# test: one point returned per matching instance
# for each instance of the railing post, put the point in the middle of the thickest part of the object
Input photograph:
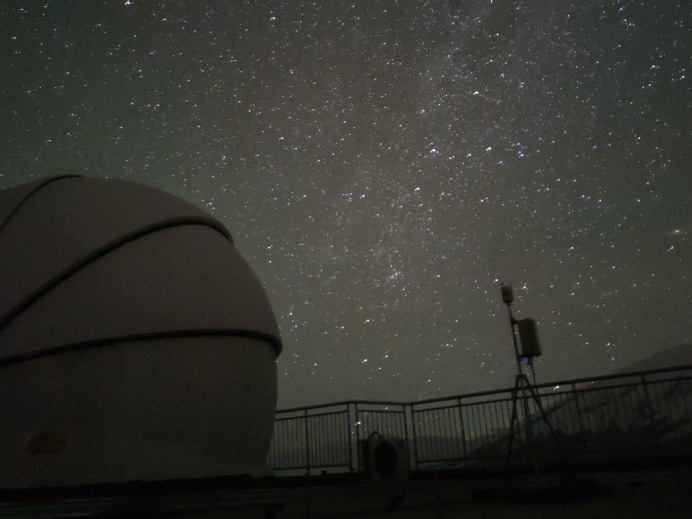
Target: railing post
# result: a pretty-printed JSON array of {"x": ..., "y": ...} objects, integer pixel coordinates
[
  {"x": 350, "y": 424},
  {"x": 414, "y": 436},
  {"x": 648, "y": 397},
  {"x": 357, "y": 426},
  {"x": 575, "y": 395},
  {"x": 408, "y": 414},
  {"x": 307, "y": 441},
  {"x": 462, "y": 426}
]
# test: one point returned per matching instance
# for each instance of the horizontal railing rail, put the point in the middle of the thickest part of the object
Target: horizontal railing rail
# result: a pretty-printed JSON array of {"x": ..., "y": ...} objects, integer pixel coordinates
[{"x": 626, "y": 414}]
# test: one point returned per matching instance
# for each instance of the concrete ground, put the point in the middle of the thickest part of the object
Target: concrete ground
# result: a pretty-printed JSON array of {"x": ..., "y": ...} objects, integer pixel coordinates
[{"x": 609, "y": 495}]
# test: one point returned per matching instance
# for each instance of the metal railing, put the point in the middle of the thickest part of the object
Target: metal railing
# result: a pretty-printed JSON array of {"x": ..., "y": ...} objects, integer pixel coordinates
[{"x": 647, "y": 413}]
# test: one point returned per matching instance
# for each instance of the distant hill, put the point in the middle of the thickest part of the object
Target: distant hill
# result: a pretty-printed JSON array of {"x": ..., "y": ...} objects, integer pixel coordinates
[{"x": 680, "y": 355}]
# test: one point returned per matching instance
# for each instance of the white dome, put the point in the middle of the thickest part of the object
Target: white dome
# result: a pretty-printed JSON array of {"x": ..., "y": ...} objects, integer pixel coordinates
[{"x": 131, "y": 330}]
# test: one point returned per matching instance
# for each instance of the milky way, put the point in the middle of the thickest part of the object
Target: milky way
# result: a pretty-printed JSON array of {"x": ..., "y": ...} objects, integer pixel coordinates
[{"x": 383, "y": 166}]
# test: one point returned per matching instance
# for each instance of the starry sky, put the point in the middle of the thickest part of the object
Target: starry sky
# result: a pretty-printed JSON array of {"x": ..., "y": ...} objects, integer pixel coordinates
[{"x": 384, "y": 165}]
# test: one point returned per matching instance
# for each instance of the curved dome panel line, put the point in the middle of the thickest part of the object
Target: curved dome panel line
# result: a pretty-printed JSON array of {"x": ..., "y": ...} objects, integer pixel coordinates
[
  {"x": 96, "y": 254},
  {"x": 111, "y": 341},
  {"x": 30, "y": 189},
  {"x": 135, "y": 340},
  {"x": 56, "y": 222}
]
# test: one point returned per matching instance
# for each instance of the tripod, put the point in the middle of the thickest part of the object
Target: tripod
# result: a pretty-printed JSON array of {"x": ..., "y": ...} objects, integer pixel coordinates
[{"x": 522, "y": 384}]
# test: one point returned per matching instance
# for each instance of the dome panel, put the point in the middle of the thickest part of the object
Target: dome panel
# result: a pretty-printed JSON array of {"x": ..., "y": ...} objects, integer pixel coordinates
[
  {"x": 136, "y": 342},
  {"x": 13, "y": 198},
  {"x": 150, "y": 410},
  {"x": 187, "y": 278},
  {"x": 69, "y": 218}
]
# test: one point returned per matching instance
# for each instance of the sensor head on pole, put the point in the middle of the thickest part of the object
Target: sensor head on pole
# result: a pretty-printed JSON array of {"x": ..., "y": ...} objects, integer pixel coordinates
[{"x": 507, "y": 294}]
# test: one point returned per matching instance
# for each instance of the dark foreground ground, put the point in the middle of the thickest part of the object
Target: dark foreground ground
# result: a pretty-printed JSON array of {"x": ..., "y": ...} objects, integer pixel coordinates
[
  {"x": 610, "y": 498},
  {"x": 624, "y": 494}
]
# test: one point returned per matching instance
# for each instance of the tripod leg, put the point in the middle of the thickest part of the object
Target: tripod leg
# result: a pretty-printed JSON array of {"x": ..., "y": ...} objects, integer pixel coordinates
[
  {"x": 551, "y": 430},
  {"x": 511, "y": 430}
]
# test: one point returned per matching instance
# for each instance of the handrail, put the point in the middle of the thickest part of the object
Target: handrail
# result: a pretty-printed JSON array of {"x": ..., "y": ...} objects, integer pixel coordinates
[
  {"x": 455, "y": 430},
  {"x": 492, "y": 391}
]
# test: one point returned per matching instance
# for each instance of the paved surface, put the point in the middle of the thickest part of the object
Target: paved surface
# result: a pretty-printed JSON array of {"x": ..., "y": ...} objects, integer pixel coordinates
[
  {"x": 648, "y": 495},
  {"x": 643, "y": 494}
]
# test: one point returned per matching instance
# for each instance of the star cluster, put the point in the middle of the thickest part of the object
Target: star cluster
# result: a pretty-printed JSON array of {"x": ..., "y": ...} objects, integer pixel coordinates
[{"x": 383, "y": 166}]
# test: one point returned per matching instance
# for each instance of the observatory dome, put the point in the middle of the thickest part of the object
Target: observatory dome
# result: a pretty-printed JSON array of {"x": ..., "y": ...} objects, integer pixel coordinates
[{"x": 135, "y": 341}]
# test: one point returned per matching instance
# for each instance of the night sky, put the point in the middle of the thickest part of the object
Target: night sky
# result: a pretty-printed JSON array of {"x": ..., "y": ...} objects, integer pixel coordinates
[{"x": 383, "y": 166}]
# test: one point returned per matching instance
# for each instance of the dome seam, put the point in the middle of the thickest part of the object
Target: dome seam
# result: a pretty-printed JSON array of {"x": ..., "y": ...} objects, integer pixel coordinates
[
  {"x": 99, "y": 253},
  {"x": 26, "y": 198},
  {"x": 272, "y": 340}
]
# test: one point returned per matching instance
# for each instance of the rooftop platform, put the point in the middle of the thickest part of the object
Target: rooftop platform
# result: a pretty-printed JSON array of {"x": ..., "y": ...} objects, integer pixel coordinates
[{"x": 663, "y": 492}]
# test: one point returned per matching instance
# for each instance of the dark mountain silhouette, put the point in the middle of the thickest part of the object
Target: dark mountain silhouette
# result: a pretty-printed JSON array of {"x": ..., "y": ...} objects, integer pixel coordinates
[{"x": 680, "y": 355}]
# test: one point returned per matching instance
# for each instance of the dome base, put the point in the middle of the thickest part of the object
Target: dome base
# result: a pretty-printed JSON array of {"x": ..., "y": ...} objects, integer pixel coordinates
[{"x": 152, "y": 410}]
